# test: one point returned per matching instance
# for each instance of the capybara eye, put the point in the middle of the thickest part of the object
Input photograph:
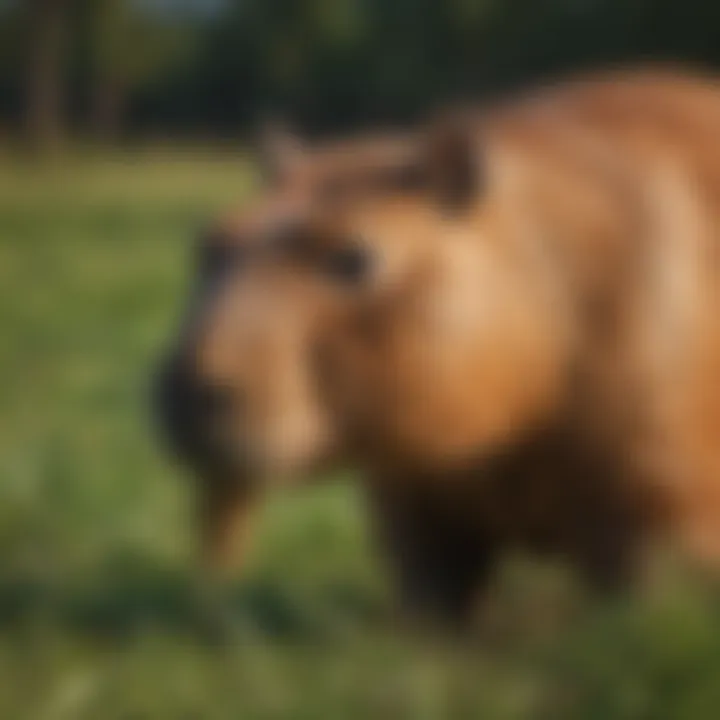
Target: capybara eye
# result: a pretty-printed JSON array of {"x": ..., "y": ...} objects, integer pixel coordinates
[
  {"x": 409, "y": 177},
  {"x": 350, "y": 264}
]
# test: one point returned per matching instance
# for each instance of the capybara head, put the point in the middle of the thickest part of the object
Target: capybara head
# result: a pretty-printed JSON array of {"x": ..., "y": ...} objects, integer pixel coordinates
[
  {"x": 233, "y": 395},
  {"x": 378, "y": 295},
  {"x": 233, "y": 398}
]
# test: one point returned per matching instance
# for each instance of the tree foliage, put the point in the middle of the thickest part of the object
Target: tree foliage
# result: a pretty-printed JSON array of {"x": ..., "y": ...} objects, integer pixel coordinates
[{"x": 216, "y": 65}]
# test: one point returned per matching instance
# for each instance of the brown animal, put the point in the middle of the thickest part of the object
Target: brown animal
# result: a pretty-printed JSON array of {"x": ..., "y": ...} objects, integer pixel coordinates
[{"x": 509, "y": 323}]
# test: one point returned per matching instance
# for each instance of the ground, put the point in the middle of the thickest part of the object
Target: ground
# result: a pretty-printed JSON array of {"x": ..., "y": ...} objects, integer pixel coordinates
[{"x": 99, "y": 614}]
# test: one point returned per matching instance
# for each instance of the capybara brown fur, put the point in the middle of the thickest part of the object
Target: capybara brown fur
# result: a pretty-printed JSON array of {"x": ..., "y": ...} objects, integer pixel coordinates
[{"x": 508, "y": 321}]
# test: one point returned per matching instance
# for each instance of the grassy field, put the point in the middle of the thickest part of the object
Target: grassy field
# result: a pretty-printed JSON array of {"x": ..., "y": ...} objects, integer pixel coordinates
[{"x": 99, "y": 614}]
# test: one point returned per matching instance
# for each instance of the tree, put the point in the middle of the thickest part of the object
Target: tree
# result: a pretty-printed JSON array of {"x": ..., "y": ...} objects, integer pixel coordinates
[
  {"x": 129, "y": 44},
  {"x": 45, "y": 82}
]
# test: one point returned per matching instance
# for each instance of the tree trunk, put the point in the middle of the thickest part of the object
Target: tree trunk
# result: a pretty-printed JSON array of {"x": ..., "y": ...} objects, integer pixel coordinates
[
  {"x": 109, "y": 53},
  {"x": 45, "y": 81},
  {"x": 106, "y": 112}
]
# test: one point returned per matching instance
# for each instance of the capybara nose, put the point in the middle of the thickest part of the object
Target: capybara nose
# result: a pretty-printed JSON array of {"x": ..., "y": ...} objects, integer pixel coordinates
[
  {"x": 212, "y": 399},
  {"x": 188, "y": 409}
]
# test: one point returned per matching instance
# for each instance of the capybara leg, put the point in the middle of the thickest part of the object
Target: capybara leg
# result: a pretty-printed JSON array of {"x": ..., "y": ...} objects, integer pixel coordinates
[
  {"x": 610, "y": 560},
  {"x": 224, "y": 510},
  {"x": 440, "y": 570},
  {"x": 447, "y": 580}
]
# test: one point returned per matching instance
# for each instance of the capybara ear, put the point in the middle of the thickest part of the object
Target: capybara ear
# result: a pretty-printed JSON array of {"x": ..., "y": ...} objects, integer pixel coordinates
[
  {"x": 452, "y": 159},
  {"x": 280, "y": 151}
]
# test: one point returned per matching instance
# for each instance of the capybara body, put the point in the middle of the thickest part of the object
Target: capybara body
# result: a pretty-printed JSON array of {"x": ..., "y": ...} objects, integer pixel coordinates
[{"x": 508, "y": 322}]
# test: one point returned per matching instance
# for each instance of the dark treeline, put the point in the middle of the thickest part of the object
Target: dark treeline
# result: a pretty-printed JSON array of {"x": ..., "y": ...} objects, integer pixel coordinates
[{"x": 114, "y": 68}]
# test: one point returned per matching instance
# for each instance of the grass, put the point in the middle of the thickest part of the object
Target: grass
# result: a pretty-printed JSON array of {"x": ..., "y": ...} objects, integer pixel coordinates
[{"x": 99, "y": 613}]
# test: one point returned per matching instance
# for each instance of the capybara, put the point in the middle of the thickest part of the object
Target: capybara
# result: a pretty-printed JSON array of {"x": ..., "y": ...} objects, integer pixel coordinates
[{"x": 507, "y": 320}]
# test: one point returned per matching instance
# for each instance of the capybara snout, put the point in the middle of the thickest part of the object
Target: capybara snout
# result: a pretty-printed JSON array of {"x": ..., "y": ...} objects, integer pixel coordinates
[
  {"x": 199, "y": 395},
  {"x": 189, "y": 409}
]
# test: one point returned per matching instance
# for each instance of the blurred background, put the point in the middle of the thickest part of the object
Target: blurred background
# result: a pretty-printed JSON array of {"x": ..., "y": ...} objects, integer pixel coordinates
[
  {"x": 124, "y": 125},
  {"x": 117, "y": 69}
]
